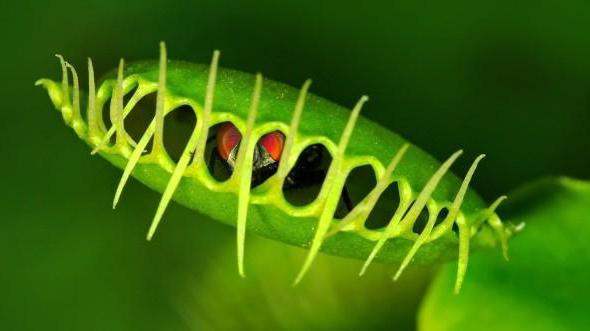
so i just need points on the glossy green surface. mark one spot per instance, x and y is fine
(322, 121)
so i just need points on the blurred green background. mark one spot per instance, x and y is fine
(509, 80)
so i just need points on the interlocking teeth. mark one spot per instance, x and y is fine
(243, 173)
(66, 110)
(362, 211)
(117, 111)
(196, 137)
(158, 143)
(76, 121)
(93, 128)
(453, 212)
(286, 157)
(330, 192)
(401, 223)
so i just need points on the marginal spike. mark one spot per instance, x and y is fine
(464, 235)
(117, 109)
(371, 256)
(112, 107)
(133, 159)
(447, 223)
(243, 173)
(158, 146)
(496, 204)
(186, 155)
(331, 188)
(199, 150)
(496, 224)
(345, 138)
(93, 128)
(489, 211)
(65, 88)
(102, 93)
(395, 219)
(513, 229)
(65, 107)
(384, 180)
(283, 169)
(173, 182)
(373, 196)
(76, 117)
(408, 220)
(416, 246)
(330, 205)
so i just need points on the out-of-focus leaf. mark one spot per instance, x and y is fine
(331, 297)
(546, 284)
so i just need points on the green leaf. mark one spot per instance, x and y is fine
(212, 296)
(416, 230)
(545, 286)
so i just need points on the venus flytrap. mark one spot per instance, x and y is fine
(256, 107)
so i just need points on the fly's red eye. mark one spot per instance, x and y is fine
(273, 144)
(228, 137)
